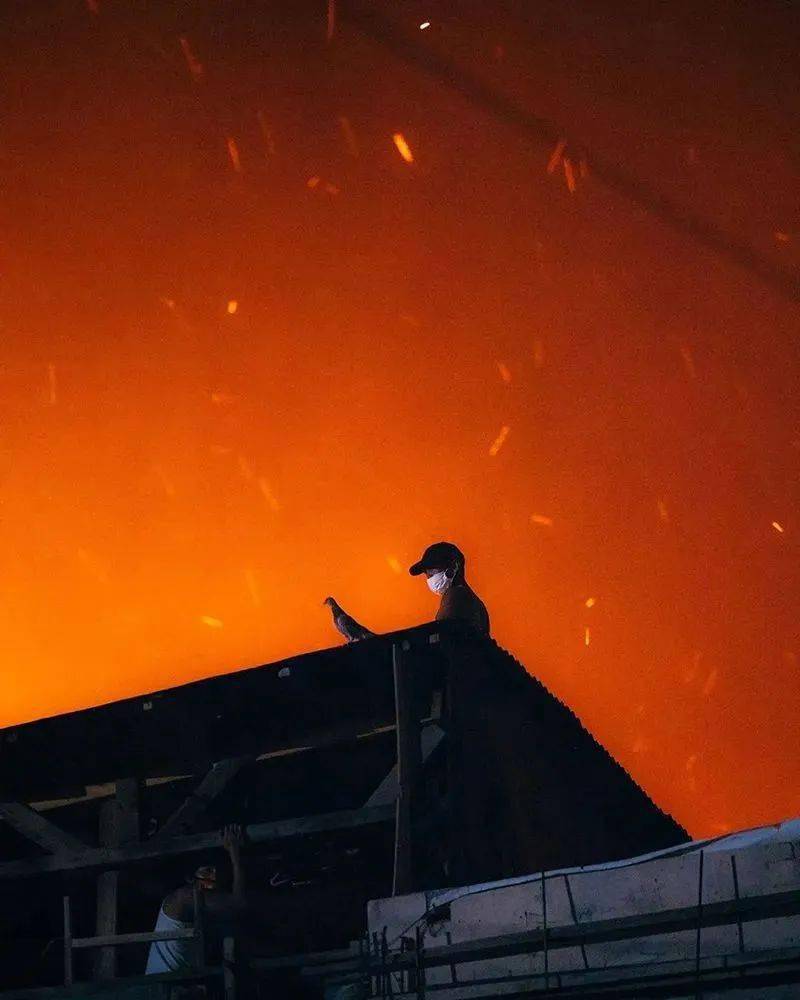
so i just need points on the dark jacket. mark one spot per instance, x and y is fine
(461, 602)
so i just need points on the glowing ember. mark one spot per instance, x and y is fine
(546, 522)
(394, 564)
(51, 380)
(233, 152)
(331, 20)
(505, 374)
(569, 175)
(710, 684)
(266, 133)
(555, 156)
(424, 25)
(589, 602)
(233, 305)
(195, 67)
(586, 637)
(688, 362)
(269, 496)
(252, 587)
(402, 147)
(778, 527)
(166, 482)
(211, 622)
(497, 444)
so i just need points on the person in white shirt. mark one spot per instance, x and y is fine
(177, 909)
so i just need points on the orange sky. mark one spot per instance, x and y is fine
(183, 484)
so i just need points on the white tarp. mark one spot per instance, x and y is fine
(767, 860)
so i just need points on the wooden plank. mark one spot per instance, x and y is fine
(40, 830)
(409, 765)
(229, 968)
(185, 817)
(67, 941)
(139, 937)
(121, 857)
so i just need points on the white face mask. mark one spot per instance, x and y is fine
(439, 582)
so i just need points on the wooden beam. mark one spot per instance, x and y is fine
(120, 857)
(118, 826)
(386, 792)
(67, 941)
(185, 817)
(199, 925)
(409, 765)
(229, 967)
(105, 961)
(137, 937)
(40, 830)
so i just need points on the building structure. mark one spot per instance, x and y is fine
(426, 757)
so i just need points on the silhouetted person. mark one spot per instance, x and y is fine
(177, 910)
(443, 565)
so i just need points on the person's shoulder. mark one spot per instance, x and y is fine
(179, 903)
(464, 594)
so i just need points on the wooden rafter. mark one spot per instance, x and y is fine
(41, 831)
(120, 857)
(186, 816)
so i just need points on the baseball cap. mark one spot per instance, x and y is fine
(437, 556)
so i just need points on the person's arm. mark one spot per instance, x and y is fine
(229, 906)
(232, 840)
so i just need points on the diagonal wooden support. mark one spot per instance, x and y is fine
(388, 789)
(186, 816)
(41, 831)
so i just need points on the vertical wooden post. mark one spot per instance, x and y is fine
(199, 927)
(67, 942)
(457, 832)
(409, 763)
(229, 967)
(119, 824)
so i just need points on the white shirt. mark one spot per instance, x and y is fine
(169, 956)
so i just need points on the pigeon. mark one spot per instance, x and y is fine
(348, 626)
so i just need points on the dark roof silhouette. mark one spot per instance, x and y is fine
(499, 778)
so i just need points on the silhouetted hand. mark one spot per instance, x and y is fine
(232, 838)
